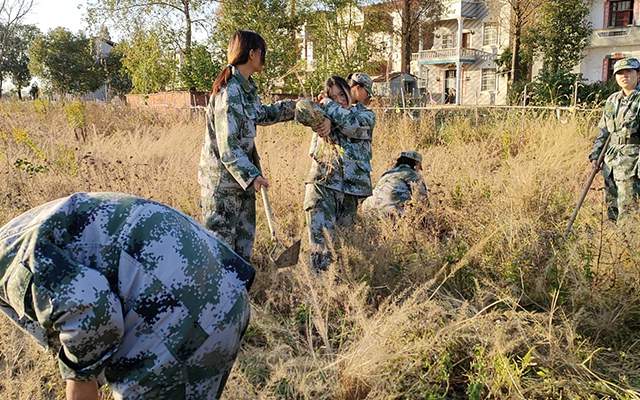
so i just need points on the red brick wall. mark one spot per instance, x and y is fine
(169, 99)
(606, 14)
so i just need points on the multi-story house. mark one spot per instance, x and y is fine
(616, 34)
(454, 55)
(458, 64)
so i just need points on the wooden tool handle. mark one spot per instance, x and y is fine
(268, 211)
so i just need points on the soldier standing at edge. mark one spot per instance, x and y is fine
(621, 119)
(229, 172)
(130, 291)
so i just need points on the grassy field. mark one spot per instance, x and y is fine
(472, 296)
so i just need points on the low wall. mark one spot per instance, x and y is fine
(182, 99)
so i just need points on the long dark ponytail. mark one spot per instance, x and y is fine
(240, 45)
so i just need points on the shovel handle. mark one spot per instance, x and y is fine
(268, 212)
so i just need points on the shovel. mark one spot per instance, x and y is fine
(288, 256)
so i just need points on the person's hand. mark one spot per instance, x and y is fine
(324, 128)
(594, 164)
(320, 97)
(80, 390)
(259, 182)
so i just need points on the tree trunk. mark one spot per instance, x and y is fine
(19, 92)
(187, 21)
(405, 62)
(515, 57)
(1, 79)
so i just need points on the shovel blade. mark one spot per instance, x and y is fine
(290, 256)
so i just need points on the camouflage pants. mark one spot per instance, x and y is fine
(610, 195)
(326, 210)
(231, 215)
(628, 194)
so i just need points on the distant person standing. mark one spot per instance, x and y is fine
(621, 120)
(34, 91)
(397, 186)
(229, 173)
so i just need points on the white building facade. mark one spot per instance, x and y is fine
(460, 67)
(616, 34)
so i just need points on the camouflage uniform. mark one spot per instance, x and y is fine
(340, 174)
(229, 160)
(396, 187)
(135, 293)
(621, 119)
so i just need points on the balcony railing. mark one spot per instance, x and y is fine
(448, 56)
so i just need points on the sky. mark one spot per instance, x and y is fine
(48, 14)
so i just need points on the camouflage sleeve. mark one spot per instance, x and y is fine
(599, 142)
(228, 117)
(355, 123)
(420, 189)
(277, 112)
(78, 304)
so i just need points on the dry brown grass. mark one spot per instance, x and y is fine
(473, 296)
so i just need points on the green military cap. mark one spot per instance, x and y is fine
(363, 80)
(626, 63)
(412, 154)
(309, 113)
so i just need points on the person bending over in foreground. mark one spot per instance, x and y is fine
(132, 292)
(397, 186)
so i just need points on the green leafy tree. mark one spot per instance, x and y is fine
(562, 44)
(199, 70)
(14, 60)
(149, 63)
(12, 12)
(277, 21)
(66, 61)
(117, 78)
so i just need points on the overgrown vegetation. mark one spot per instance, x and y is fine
(471, 296)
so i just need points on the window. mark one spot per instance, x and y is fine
(609, 62)
(488, 79)
(620, 13)
(448, 41)
(490, 34)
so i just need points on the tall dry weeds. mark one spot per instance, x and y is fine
(470, 296)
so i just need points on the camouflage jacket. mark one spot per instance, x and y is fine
(229, 158)
(396, 187)
(343, 160)
(621, 120)
(54, 257)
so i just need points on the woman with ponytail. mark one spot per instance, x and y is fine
(229, 172)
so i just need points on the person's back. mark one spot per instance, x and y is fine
(397, 186)
(135, 290)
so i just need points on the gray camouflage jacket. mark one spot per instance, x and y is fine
(395, 188)
(621, 119)
(343, 161)
(229, 159)
(90, 272)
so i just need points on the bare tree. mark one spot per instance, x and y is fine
(523, 13)
(412, 14)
